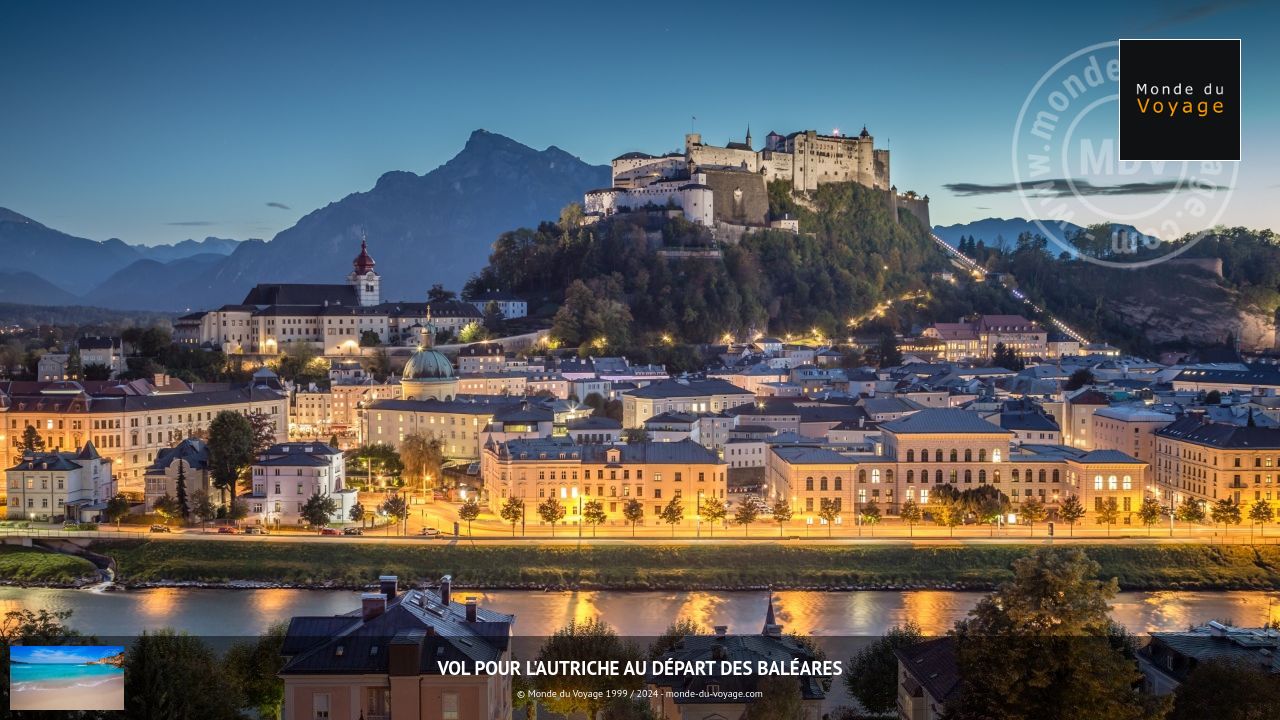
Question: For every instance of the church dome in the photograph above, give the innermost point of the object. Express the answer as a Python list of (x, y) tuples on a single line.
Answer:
[(427, 364), (363, 263)]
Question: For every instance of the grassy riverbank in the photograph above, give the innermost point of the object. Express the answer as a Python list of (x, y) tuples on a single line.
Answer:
[(40, 567), (645, 566)]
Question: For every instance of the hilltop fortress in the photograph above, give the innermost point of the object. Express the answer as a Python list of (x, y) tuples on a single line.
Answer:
[(725, 188)]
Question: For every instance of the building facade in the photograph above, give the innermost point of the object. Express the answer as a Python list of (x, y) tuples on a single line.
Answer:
[(45, 485)]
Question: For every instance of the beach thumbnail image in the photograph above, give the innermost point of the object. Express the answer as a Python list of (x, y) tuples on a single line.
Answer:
[(66, 677)]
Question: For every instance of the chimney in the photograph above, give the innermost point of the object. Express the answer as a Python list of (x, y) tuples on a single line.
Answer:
[(372, 605), (721, 630), (446, 590), (471, 609), (389, 585)]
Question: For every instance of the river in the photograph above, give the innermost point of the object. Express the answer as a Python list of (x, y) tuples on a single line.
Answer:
[(209, 612)]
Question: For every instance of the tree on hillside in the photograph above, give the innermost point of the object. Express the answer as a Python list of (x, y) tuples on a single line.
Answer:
[(494, 322), (231, 448), (380, 364), (1042, 645), (437, 294), (594, 317), (890, 355)]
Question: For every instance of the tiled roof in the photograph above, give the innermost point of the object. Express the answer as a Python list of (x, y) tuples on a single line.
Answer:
[(301, 294), (933, 664), (455, 407), (1222, 435), (942, 420), (1109, 456), (693, 388)]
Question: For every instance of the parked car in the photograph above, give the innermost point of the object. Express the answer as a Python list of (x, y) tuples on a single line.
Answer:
[(329, 531), (160, 529), (429, 532), (257, 530), (226, 530), (352, 531)]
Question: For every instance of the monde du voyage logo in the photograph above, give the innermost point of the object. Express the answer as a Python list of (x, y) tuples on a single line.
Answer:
[(1180, 100)]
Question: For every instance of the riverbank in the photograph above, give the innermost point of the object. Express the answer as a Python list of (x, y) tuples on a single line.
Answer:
[(27, 566), (798, 566)]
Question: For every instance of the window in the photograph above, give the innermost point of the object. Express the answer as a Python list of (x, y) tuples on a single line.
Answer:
[(1097, 482), (320, 706), (449, 706)]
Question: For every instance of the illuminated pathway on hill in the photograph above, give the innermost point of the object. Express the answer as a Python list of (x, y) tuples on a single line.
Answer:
[(977, 269)]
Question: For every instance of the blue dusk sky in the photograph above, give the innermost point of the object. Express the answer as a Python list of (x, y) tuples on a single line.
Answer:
[(62, 654), (154, 122)]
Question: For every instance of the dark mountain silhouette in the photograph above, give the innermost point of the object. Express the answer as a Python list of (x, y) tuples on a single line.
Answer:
[(188, 248), (422, 229), (26, 287)]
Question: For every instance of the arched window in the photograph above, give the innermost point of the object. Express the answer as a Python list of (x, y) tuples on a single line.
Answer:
[(954, 456), (1041, 474), (937, 455), (1097, 482), (937, 477), (822, 483), (808, 483), (1015, 474), (995, 455), (911, 476), (1056, 476), (995, 476), (968, 455), (839, 484), (982, 455), (1111, 482), (862, 476), (982, 476), (911, 456), (968, 476), (951, 477), (888, 476), (875, 475), (1128, 483)]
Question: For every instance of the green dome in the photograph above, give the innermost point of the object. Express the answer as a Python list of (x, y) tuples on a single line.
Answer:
[(427, 364)]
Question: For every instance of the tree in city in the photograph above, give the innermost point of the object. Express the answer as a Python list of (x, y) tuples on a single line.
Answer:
[(1223, 690), (469, 511), (184, 507), (829, 510), (396, 508), (318, 510), (494, 321), (780, 699), (203, 507), (423, 457), (635, 436), (890, 354), (672, 513), (172, 675), (1108, 513), (31, 441), (264, 431), (75, 366), (781, 512), (747, 512), (1043, 645), (1226, 512), (1006, 357), (237, 510), (376, 459), (513, 512), (633, 512), (369, 338), (1079, 379), (872, 675), (117, 507), (380, 364), (594, 515), (910, 513), (1032, 511), (166, 507), (586, 695), (1213, 397), (713, 510), (987, 503), (231, 448), (97, 372), (870, 515), (1150, 512), (1261, 513), (551, 511), (356, 513), (251, 667), (1191, 512), (1071, 511)]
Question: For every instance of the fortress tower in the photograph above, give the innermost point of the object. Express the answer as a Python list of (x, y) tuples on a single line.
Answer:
[(368, 284)]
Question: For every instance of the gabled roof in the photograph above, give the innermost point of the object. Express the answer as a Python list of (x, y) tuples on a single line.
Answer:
[(1193, 429), (664, 389), (942, 420), (301, 294)]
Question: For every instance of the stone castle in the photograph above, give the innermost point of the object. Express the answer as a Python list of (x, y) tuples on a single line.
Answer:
[(726, 187)]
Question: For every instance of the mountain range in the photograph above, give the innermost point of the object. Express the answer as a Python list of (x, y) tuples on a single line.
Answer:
[(422, 229), (992, 230)]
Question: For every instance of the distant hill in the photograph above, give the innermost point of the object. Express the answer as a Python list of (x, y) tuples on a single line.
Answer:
[(188, 248), (991, 230), (18, 287), (422, 229), (151, 284)]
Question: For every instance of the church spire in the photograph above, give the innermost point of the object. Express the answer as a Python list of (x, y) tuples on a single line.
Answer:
[(749, 135)]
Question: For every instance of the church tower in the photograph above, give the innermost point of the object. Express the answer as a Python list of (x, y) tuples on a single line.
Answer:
[(749, 145), (367, 283)]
